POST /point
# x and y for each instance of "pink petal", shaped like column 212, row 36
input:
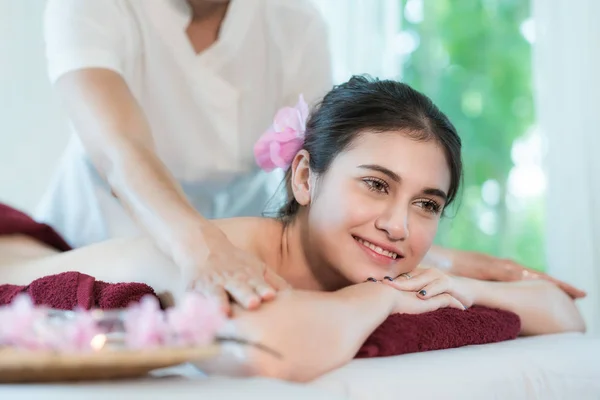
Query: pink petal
column 288, row 134
column 196, row 320
column 80, row 333
column 287, row 117
column 262, row 156
column 302, row 108
column 145, row 324
column 282, row 141
column 288, row 151
column 274, row 149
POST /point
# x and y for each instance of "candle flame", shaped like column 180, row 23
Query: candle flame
column 97, row 343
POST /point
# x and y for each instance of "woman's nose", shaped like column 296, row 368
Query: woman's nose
column 394, row 223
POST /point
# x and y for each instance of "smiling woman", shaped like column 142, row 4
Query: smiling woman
column 377, row 166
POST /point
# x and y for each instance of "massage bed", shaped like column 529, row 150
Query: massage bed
column 564, row 366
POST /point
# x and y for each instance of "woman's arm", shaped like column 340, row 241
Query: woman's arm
column 542, row 306
column 314, row 332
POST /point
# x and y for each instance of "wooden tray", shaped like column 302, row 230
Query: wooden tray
column 19, row 366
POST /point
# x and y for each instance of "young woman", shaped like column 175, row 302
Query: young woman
column 368, row 179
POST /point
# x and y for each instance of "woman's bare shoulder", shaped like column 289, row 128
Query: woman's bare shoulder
column 251, row 233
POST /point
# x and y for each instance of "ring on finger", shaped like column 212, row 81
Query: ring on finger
column 406, row 275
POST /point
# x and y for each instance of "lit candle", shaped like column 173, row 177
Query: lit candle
column 97, row 343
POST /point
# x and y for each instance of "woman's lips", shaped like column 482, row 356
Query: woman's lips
column 378, row 254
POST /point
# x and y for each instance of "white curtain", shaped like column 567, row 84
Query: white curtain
column 33, row 129
column 567, row 83
column 363, row 37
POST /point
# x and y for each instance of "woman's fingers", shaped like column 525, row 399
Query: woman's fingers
column 434, row 288
column 444, row 300
column 414, row 284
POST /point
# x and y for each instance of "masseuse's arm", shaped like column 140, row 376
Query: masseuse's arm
column 542, row 307
column 118, row 139
column 90, row 45
column 116, row 135
column 482, row 266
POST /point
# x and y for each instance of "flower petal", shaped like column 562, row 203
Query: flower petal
column 302, row 108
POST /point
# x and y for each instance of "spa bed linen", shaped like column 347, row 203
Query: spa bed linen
column 565, row 366
column 562, row 366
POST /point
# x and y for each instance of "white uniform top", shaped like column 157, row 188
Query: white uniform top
column 205, row 110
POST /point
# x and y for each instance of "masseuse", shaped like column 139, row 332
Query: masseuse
column 166, row 100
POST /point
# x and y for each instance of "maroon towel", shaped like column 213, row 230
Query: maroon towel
column 442, row 329
column 15, row 222
column 69, row 290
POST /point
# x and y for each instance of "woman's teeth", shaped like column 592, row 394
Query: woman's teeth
column 378, row 249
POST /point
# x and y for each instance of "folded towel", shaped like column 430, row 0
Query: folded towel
column 70, row 290
column 442, row 329
column 15, row 222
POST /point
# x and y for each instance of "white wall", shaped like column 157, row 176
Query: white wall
column 33, row 131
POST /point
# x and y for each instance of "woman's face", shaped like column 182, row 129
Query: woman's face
column 375, row 212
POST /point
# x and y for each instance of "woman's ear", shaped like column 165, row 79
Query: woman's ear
column 301, row 178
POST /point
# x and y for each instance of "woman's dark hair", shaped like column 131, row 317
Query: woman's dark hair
column 367, row 104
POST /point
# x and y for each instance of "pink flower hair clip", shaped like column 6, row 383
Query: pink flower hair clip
column 278, row 146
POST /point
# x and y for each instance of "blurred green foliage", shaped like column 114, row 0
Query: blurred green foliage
column 475, row 63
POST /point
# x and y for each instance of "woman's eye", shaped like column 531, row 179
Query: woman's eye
column 377, row 185
column 430, row 206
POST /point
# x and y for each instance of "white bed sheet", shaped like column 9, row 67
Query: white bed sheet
column 551, row 367
column 565, row 366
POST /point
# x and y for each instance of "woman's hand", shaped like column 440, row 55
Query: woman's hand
column 429, row 283
column 489, row 268
column 220, row 270
column 410, row 302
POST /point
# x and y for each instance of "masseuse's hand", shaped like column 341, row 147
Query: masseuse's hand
column 430, row 283
column 489, row 268
column 219, row 270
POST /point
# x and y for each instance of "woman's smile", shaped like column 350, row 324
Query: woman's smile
column 381, row 255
